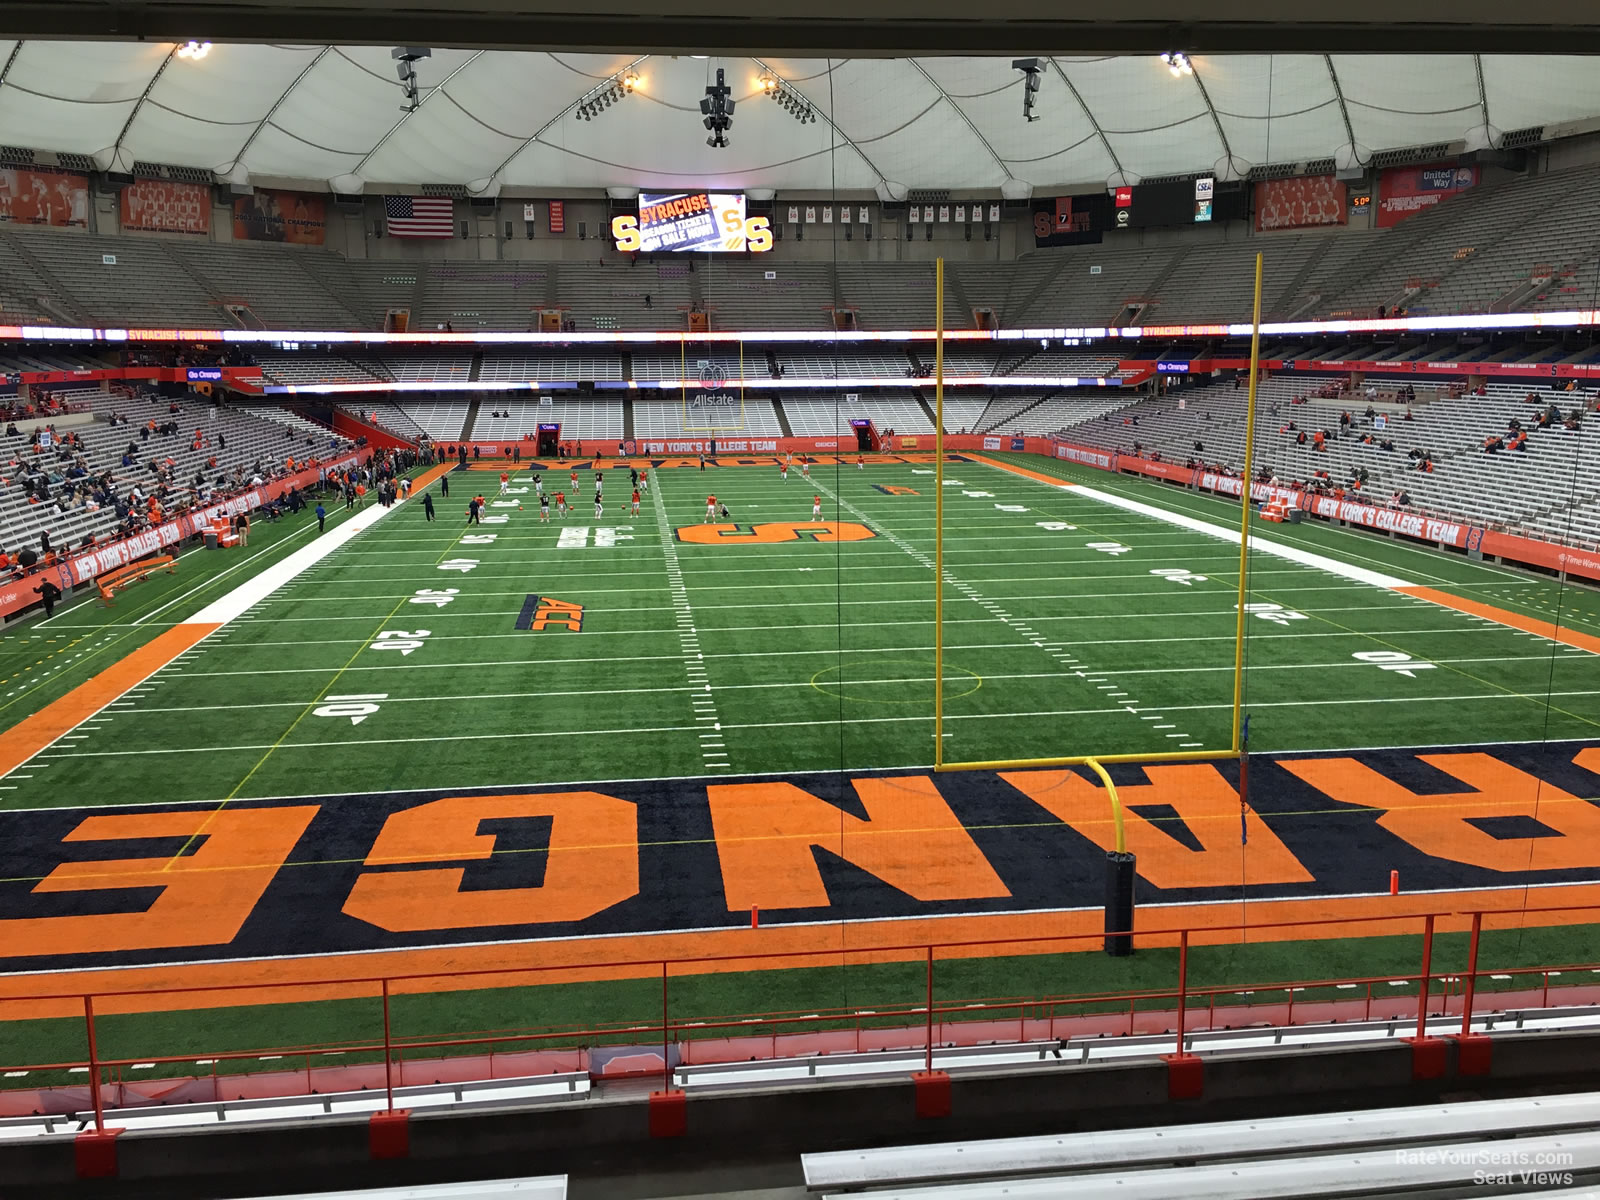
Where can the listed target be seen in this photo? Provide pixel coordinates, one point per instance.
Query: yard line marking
(688, 636)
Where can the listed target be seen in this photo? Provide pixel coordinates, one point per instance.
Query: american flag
(420, 216)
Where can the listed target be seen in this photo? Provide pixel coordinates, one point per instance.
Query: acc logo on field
(546, 612)
(773, 532)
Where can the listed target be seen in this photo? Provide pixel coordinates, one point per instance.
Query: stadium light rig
(614, 90)
(717, 110)
(406, 60)
(1032, 77)
(1177, 63)
(194, 50)
(794, 104)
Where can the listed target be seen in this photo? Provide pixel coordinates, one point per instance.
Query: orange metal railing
(933, 1015)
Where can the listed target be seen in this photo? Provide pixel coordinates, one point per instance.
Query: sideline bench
(114, 581)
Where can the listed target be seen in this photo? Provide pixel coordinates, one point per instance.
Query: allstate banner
(1403, 192)
(712, 389)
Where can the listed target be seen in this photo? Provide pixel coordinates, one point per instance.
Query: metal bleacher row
(240, 440)
(1517, 242)
(1434, 1149)
(1550, 489)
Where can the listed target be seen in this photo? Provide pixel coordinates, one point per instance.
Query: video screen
(703, 221)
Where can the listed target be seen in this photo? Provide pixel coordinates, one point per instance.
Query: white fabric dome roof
(505, 119)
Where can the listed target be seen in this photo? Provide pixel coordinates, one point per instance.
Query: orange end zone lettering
(1444, 825)
(769, 533)
(1205, 804)
(766, 835)
(205, 896)
(592, 863)
(889, 489)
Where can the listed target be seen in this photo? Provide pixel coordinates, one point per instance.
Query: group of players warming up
(639, 478)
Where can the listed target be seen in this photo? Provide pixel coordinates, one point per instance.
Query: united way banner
(1403, 192)
(294, 218)
(159, 206)
(1300, 203)
(58, 198)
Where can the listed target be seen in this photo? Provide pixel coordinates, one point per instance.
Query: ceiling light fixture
(796, 105)
(1177, 63)
(619, 87)
(194, 50)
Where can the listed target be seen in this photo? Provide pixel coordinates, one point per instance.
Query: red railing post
(1472, 974)
(1183, 983)
(929, 1066)
(1427, 971)
(388, 1055)
(666, 1060)
(94, 1066)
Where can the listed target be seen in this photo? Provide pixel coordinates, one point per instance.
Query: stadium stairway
(965, 316)
(477, 367)
(783, 417)
(1027, 304)
(60, 302)
(1293, 302)
(627, 363)
(627, 418)
(471, 419)
(204, 285)
(1152, 292)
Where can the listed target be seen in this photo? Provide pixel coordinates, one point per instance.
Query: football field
(626, 647)
(562, 746)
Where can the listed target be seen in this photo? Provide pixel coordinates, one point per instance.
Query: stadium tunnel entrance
(549, 439)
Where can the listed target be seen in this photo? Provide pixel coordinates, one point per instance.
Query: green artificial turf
(1071, 627)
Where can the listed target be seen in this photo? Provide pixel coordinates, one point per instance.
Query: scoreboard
(1185, 202)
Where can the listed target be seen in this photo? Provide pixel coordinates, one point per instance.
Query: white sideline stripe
(253, 591)
(520, 735)
(1266, 545)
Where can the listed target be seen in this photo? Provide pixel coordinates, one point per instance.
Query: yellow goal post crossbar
(1092, 761)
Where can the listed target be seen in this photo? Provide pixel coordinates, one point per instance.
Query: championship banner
(1405, 191)
(558, 216)
(1300, 203)
(160, 206)
(293, 218)
(56, 198)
